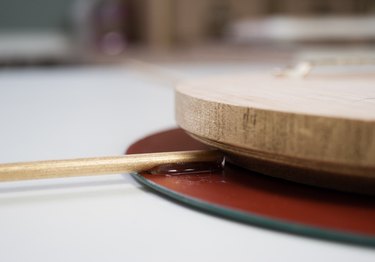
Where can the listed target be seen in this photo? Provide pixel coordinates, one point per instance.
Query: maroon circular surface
(247, 191)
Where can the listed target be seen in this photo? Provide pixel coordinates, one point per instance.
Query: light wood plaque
(318, 130)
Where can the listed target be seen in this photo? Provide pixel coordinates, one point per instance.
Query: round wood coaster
(319, 130)
(250, 197)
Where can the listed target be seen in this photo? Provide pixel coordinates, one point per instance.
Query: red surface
(248, 191)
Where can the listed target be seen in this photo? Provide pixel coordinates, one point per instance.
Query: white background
(95, 111)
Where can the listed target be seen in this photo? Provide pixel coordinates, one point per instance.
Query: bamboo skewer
(102, 165)
(114, 164)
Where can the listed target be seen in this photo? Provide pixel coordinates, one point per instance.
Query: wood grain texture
(321, 130)
(103, 165)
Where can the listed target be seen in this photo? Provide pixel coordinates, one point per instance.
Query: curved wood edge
(338, 142)
(297, 170)
(327, 152)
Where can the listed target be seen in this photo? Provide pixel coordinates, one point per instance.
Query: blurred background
(50, 32)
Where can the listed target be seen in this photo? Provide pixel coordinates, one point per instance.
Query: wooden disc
(319, 130)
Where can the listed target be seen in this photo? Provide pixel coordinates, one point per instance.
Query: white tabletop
(96, 111)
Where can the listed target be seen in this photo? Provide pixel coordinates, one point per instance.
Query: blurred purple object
(101, 27)
(112, 43)
(110, 20)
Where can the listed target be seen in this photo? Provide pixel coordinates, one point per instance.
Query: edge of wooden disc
(296, 170)
(325, 151)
